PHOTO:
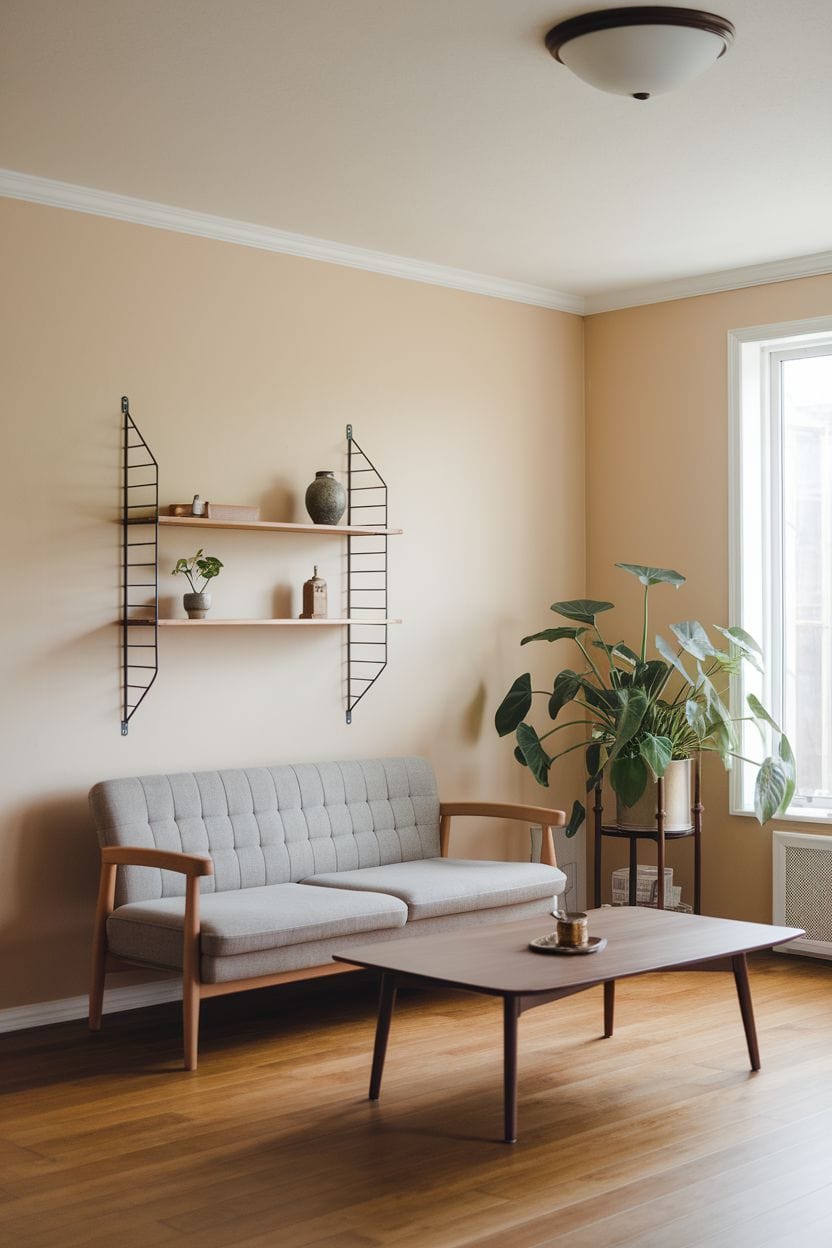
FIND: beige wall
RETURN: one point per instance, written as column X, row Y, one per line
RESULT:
column 242, row 369
column 657, row 493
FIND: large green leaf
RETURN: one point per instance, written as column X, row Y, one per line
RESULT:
column 651, row 677
column 760, row 712
column 653, row 576
column 598, row 697
column 771, row 789
column 515, row 706
column 695, row 716
column 593, row 764
column 555, row 634
column 633, row 704
column 567, row 685
column 537, row 759
column 628, row 777
column 584, row 610
column 518, row 754
column 788, row 760
column 667, row 653
column 575, row 819
column 744, row 643
column 740, row 638
column 692, row 637
column 656, row 752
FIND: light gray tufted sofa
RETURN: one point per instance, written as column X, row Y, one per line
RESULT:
column 246, row 878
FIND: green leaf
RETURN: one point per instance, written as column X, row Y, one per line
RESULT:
column 600, row 698
column 537, row 759
column 594, row 766
column 788, row 759
column 567, row 685
column 760, row 712
column 584, row 610
column 656, row 752
column 555, row 634
column 745, row 643
column 518, row 754
column 628, row 777
column 651, row 676
column 692, row 637
column 721, row 737
column 633, row 704
column 623, row 651
column 771, row 789
column 670, row 657
column 695, row 716
column 515, row 706
column 741, row 638
column 575, row 819
column 653, row 576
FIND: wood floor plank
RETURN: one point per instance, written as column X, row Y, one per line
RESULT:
column 657, row 1136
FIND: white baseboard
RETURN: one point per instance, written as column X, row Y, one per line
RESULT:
column 135, row 997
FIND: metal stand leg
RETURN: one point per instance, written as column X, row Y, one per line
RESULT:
column 386, row 1001
column 511, row 1013
column 598, row 809
column 740, row 966
column 633, row 899
column 609, row 1007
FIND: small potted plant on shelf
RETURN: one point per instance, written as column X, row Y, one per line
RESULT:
column 643, row 718
column 198, row 570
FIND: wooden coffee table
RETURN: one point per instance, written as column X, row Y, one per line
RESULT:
column 497, row 961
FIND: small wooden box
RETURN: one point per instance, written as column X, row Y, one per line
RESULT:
column 179, row 509
column 231, row 511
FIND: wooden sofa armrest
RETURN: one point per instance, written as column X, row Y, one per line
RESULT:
column 504, row 810
column 166, row 859
column 193, row 867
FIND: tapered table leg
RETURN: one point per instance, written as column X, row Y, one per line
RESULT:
column 633, row 897
column 609, row 1007
column 386, row 1001
column 740, row 966
column 511, row 1013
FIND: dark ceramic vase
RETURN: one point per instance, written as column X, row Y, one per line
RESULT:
column 326, row 499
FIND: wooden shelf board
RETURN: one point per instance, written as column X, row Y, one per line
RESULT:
column 276, row 526
column 268, row 623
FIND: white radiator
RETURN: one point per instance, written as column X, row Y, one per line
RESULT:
column 802, row 887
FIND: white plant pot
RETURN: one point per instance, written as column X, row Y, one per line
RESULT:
column 677, row 803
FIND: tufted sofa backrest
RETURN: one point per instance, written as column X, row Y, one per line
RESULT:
column 270, row 825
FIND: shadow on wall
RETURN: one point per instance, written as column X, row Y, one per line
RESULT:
column 53, row 876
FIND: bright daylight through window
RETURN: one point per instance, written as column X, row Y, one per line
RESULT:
column 781, row 544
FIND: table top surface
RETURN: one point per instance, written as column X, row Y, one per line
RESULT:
column 497, row 959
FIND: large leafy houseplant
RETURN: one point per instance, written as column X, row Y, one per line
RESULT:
column 635, row 714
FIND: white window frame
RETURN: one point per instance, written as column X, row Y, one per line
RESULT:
column 755, row 524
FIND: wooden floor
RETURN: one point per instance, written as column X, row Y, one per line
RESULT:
column 657, row 1138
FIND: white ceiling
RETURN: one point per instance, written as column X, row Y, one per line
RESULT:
column 435, row 129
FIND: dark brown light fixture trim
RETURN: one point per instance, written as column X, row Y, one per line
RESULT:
column 640, row 15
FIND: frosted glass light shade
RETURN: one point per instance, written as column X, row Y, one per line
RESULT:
column 640, row 51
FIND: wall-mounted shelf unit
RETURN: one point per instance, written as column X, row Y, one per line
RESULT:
column 366, row 573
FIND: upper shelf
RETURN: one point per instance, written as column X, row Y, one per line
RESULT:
column 276, row 526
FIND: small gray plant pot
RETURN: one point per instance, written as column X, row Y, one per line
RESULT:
column 197, row 605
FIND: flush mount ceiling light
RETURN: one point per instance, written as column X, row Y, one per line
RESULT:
column 640, row 51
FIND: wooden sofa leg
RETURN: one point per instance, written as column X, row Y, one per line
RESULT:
column 104, row 908
column 190, row 973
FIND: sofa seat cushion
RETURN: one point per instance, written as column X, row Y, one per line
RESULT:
column 434, row 886
column 249, row 919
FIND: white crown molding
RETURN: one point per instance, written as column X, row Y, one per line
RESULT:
column 712, row 283
column 43, row 1013
column 164, row 217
